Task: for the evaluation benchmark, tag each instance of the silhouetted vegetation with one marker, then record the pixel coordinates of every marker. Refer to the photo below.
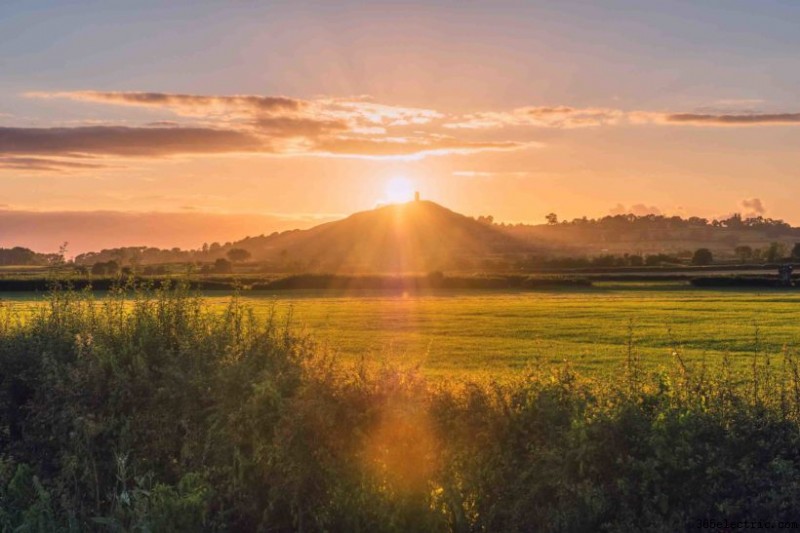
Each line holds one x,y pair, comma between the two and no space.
702,257
238,254
431,281
110,268
446,240
23,256
151,413
736,281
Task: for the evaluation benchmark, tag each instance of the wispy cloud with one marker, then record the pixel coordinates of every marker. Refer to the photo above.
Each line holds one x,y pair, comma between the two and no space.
48,164
355,126
745,119
124,141
323,126
544,117
413,147
188,104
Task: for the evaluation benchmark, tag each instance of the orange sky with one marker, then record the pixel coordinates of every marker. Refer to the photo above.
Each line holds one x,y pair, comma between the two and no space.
273,117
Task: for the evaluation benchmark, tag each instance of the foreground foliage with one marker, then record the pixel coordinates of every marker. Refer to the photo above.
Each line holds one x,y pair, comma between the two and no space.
146,411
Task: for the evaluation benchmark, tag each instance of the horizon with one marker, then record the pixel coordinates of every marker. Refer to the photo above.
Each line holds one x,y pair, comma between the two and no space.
58,226
516,111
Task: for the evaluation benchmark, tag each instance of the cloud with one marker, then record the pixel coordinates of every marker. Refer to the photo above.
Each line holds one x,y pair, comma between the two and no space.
47,164
749,119
364,111
411,147
354,126
190,104
568,117
298,126
544,117
753,207
636,209
125,141
353,111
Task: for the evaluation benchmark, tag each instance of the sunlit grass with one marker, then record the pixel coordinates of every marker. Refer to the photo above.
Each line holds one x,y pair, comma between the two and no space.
486,333
164,411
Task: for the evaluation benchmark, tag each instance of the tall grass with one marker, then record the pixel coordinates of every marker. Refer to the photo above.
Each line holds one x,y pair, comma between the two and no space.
146,411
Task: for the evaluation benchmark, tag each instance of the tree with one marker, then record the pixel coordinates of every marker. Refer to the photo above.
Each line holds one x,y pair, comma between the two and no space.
552,219
238,255
222,266
744,252
110,268
796,251
775,252
702,256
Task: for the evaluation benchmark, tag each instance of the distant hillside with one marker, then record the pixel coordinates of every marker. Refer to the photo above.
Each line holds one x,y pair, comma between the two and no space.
728,238
422,236
415,236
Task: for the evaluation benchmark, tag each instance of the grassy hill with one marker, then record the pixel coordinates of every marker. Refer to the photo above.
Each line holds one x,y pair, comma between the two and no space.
422,236
415,236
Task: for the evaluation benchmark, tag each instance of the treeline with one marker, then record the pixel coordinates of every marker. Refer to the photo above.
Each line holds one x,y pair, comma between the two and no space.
19,256
434,280
658,222
147,255
605,260
159,413
773,253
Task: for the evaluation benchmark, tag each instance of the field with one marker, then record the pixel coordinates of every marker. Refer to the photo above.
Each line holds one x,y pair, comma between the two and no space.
497,333
168,412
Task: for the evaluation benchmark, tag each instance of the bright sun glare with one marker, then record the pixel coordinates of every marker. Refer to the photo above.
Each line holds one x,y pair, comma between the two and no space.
398,190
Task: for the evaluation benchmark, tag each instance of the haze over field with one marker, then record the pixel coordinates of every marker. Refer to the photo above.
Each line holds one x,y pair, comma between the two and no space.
206,124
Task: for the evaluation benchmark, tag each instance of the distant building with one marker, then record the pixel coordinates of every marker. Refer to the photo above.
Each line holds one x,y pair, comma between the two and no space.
416,196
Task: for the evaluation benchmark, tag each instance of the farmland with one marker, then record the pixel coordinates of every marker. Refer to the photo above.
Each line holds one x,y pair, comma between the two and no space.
498,333
166,412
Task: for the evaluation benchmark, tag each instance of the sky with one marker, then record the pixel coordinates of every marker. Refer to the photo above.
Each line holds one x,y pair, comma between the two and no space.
177,123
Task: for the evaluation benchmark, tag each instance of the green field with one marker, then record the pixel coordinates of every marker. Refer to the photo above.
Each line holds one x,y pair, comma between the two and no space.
487,332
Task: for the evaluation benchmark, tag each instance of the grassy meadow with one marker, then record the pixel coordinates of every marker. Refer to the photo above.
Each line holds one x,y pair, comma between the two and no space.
166,411
500,333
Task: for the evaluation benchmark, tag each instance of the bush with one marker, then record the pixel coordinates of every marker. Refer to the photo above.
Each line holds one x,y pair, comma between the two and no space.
110,268
148,411
223,266
702,257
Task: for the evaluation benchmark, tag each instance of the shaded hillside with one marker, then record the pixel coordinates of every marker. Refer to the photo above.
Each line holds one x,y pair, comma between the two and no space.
415,236
423,236
652,234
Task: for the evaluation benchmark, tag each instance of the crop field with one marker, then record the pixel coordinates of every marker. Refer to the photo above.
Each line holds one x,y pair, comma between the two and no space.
494,334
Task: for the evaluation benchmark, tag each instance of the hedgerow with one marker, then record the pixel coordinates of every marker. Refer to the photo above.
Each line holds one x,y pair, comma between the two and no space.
148,411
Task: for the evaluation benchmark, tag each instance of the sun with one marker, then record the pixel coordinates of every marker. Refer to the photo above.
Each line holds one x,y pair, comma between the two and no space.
398,190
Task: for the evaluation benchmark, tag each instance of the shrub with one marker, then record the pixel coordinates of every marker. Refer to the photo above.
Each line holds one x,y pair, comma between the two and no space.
148,411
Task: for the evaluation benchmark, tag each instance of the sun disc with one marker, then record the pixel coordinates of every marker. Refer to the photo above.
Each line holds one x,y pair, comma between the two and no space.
398,190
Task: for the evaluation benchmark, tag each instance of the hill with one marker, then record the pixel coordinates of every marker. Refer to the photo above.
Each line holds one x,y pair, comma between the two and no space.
730,238
415,236
422,236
